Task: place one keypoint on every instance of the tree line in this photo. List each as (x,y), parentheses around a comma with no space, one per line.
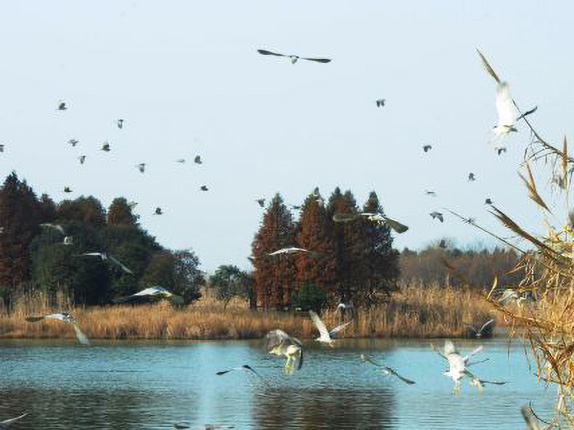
(35,257)
(452,266)
(347,262)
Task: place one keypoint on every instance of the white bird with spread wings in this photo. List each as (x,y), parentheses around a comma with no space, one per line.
(326,336)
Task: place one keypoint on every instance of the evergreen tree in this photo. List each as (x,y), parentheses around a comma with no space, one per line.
(381,259)
(19,218)
(316,234)
(349,249)
(120,213)
(61,268)
(88,210)
(275,276)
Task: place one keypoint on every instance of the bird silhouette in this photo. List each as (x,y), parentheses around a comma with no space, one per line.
(293,58)
(471,177)
(67,190)
(204,188)
(120,123)
(62,106)
(82,158)
(437,215)
(73,142)
(427,148)
(380,102)
(105,147)
(197,159)
(158,211)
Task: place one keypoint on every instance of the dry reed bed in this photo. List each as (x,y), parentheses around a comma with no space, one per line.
(414,311)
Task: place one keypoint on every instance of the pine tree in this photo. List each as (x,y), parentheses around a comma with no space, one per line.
(349,250)
(316,234)
(275,276)
(20,216)
(381,259)
(120,213)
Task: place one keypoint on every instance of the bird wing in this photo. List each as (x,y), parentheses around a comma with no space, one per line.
(505,106)
(395,225)
(93,254)
(528,112)
(394,373)
(482,381)
(7,423)
(265,52)
(275,338)
(474,352)
(449,348)
(435,349)
(124,268)
(336,330)
(319,324)
(470,326)
(365,359)
(344,217)
(300,365)
(318,60)
(472,363)
(486,324)
(530,419)
(82,338)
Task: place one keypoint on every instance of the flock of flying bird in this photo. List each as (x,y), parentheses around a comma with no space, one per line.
(279,342)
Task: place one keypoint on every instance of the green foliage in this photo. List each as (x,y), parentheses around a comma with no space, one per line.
(120,213)
(229,281)
(310,297)
(88,210)
(177,271)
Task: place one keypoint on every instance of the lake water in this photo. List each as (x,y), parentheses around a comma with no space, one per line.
(144,385)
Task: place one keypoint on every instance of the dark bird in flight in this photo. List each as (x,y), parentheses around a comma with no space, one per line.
(204,188)
(442,244)
(197,160)
(73,142)
(67,190)
(471,177)
(106,147)
(380,102)
(2,148)
(294,58)
(528,112)
(158,211)
(141,167)
(120,123)
(500,149)
(488,201)
(82,158)
(261,202)
(437,215)
(430,193)
(180,160)
(244,367)
(427,148)
(62,106)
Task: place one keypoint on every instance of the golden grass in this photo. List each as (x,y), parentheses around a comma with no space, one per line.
(414,311)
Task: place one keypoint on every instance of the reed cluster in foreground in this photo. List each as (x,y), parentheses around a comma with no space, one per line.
(414,311)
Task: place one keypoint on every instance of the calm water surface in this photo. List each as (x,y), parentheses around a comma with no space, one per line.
(152,385)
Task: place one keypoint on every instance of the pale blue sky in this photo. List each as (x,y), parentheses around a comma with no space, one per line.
(187,79)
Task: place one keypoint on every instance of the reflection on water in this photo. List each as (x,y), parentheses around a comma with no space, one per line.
(328,408)
(151,386)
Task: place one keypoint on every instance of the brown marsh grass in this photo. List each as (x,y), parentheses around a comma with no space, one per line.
(414,311)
